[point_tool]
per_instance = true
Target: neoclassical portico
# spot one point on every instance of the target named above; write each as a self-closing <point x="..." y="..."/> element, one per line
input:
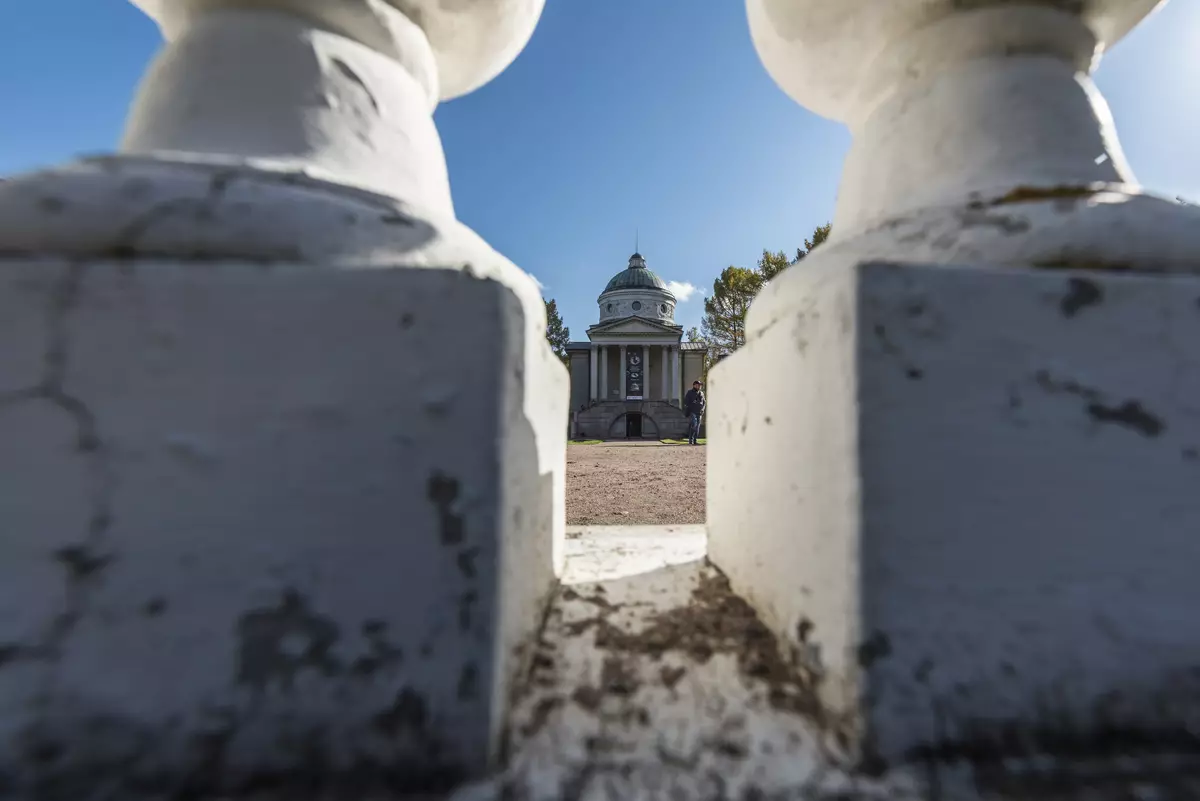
<point x="633" y="353"/>
<point x="634" y="361"/>
<point x="637" y="367"/>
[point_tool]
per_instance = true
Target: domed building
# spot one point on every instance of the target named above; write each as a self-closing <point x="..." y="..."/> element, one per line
<point x="629" y="378"/>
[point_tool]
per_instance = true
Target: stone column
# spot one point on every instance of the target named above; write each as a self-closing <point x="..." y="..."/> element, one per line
<point x="666" y="373"/>
<point x="675" y="377"/>
<point x="624" y="373"/>
<point x="604" y="372"/>
<point x="233" y="497"/>
<point x="594" y="358"/>
<point x="908" y="544"/>
<point x="646" y="372"/>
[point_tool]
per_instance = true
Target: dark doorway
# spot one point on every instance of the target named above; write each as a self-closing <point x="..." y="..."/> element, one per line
<point x="633" y="426"/>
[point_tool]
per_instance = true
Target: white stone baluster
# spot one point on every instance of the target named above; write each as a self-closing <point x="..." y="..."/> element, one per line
<point x="956" y="461"/>
<point x="284" y="440"/>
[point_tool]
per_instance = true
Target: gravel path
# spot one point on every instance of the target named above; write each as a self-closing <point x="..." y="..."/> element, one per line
<point x="630" y="483"/>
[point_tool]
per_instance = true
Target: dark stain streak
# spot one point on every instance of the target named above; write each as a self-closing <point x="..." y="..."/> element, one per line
<point x="466" y="562"/>
<point x="618" y="678"/>
<point x="81" y="563"/>
<point x="890" y="348"/>
<point x="541" y="715"/>
<point x="1035" y="194"/>
<point x="877" y="647"/>
<point x="1081" y="293"/>
<point x="588" y="698"/>
<point x="408" y="712"/>
<point x="382" y="653"/>
<point x="466" y="603"/>
<point x="277" y="643"/>
<point x="671" y="676"/>
<point x="444" y="491"/>
<point x="1092" y="263"/>
<point x="1129" y="414"/>
<point x="1067" y="386"/>
<point x="154" y="607"/>
<point x="396" y="218"/>
<point x="1009" y="225"/>
<point x="468" y="682"/>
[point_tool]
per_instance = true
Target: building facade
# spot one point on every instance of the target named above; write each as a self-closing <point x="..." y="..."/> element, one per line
<point x="628" y="380"/>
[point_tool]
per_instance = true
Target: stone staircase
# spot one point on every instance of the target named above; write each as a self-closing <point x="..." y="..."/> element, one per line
<point x="610" y="420"/>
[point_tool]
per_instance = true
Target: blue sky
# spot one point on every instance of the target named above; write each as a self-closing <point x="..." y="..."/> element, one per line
<point x="620" y="115"/>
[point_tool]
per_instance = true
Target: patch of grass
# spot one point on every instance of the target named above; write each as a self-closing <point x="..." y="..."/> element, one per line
<point x="701" y="441"/>
<point x="585" y="441"/>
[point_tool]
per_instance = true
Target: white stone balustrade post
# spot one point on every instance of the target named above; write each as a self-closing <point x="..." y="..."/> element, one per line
<point x="955" y="463"/>
<point x="283" y="441"/>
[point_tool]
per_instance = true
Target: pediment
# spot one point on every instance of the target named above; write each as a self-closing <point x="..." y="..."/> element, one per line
<point x="634" y="325"/>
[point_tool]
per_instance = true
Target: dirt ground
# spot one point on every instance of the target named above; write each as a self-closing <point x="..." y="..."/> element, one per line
<point x="632" y="483"/>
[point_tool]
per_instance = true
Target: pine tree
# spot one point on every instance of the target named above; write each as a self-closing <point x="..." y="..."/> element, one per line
<point x="557" y="334"/>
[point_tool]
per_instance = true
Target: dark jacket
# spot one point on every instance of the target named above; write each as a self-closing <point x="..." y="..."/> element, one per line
<point x="693" y="402"/>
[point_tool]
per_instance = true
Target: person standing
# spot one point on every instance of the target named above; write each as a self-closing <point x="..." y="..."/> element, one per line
<point x="693" y="407"/>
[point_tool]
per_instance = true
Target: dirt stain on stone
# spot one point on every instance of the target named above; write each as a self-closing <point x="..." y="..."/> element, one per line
<point x="81" y="562"/>
<point x="1129" y="414"/>
<point x="875" y="648"/>
<point x="408" y="712"/>
<point x="671" y="676"/>
<point x="277" y="643"/>
<point x="1081" y="293"/>
<point x="443" y="491"/>
<point x="466" y="562"/>
<point x="468" y="682"/>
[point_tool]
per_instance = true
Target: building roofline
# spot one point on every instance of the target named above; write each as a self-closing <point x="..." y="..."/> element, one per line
<point x="671" y="327"/>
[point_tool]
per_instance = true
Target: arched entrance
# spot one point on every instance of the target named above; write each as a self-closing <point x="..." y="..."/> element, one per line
<point x="633" y="425"/>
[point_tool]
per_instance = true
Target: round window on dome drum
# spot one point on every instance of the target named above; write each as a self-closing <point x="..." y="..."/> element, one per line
<point x="663" y="308"/>
<point x="637" y="305"/>
<point x="610" y="307"/>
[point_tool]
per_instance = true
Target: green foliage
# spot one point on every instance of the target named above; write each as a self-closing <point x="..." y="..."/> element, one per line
<point x="723" y="326"/>
<point x="772" y="264"/>
<point x="557" y="334"/>
<point x="820" y="235"/>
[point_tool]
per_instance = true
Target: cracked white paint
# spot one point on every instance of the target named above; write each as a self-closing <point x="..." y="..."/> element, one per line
<point x="987" y="499"/>
<point x="965" y="495"/>
<point x="272" y="502"/>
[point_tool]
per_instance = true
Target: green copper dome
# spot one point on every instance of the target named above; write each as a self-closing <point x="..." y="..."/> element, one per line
<point x="636" y="276"/>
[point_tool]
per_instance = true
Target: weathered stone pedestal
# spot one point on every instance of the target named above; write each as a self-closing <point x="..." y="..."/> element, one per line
<point x="267" y="518"/>
<point x="981" y="531"/>
<point x="955" y="464"/>
<point x="283" y="442"/>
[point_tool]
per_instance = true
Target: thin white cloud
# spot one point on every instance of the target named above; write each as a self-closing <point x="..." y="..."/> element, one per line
<point x="682" y="290"/>
<point x="540" y="285"/>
